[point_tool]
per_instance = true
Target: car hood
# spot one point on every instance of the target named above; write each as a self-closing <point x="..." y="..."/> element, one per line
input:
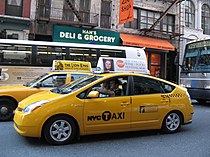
<point x="46" y="95"/>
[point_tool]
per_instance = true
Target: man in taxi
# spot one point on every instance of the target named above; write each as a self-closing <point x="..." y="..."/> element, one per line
<point x="112" y="89"/>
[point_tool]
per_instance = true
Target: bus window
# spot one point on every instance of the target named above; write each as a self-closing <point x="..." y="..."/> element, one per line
<point x="46" y="54"/>
<point x="84" y="54"/>
<point x="189" y="61"/>
<point x="112" y="53"/>
<point x="15" y="54"/>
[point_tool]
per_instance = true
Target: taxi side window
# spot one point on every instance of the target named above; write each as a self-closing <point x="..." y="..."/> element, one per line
<point x="146" y="86"/>
<point x="112" y="87"/>
<point x="54" y="81"/>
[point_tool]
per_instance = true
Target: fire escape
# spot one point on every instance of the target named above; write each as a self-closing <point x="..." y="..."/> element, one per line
<point x="70" y="14"/>
<point x="146" y="31"/>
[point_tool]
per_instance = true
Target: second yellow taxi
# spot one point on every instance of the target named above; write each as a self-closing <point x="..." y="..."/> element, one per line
<point x="104" y="103"/>
<point x="11" y="95"/>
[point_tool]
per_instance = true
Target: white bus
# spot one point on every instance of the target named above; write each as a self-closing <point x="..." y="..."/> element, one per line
<point x="22" y="60"/>
<point x="195" y="73"/>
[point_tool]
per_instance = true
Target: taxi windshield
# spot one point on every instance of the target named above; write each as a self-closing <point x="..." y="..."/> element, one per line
<point x="28" y="84"/>
<point x="75" y="85"/>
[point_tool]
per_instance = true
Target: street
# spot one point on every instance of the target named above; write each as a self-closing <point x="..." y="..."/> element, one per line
<point x="191" y="141"/>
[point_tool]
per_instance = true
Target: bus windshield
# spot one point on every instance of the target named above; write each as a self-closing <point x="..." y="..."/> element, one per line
<point x="197" y="57"/>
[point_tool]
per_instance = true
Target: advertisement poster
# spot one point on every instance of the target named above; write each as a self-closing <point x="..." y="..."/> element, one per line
<point x="20" y="74"/>
<point x="71" y="65"/>
<point x="122" y="65"/>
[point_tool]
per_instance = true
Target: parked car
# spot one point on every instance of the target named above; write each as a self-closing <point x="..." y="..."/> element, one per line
<point x="91" y="105"/>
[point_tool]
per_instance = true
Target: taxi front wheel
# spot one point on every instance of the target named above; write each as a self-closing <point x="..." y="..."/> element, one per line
<point x="60" y="130"/>
<point x="171" y="123"/>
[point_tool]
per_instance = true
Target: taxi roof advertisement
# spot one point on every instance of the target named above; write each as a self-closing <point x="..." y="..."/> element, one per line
<point x="85" y="35"/>
<point x="71" y="65"/>
<point x="122" y="65"/>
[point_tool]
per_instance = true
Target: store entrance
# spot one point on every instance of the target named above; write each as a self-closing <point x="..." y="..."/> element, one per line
<point x="156" y="64"/>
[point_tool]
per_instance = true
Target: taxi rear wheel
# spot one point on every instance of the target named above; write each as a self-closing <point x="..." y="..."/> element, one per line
<point x="172" y="122"/>
<point x="7" y="107"/>
<point x="60" y="130"/>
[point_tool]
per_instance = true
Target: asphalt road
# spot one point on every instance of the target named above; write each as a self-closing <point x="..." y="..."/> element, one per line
<point x="192" y="140"/>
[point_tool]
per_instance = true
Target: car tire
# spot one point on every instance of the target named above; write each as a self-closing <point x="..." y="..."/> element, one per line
<point x="7" y="108"/>
<point x="60" y="130"/>
<point x="172" y="122"/>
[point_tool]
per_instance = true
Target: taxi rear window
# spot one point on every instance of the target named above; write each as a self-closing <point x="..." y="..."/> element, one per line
<point x="166" y="87"/>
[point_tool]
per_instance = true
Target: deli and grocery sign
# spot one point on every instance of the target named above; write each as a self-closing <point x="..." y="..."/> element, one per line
<point x="85" y="35"/>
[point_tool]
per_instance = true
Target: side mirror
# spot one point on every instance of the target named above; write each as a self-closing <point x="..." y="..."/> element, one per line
<point x="93" y="94"/>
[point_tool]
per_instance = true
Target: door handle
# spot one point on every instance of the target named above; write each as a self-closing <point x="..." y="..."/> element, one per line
<point x="124" y="104"/>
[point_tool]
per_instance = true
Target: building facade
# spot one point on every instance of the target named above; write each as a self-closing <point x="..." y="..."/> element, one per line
<point x="15" y="19"/>
<point x="41" y="19"/>
<point x="196" y="22"/>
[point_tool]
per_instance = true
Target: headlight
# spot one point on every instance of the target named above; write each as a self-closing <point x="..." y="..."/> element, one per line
<point x="34" y="106"/>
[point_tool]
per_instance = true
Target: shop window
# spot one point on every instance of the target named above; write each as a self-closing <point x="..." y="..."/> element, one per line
<point x="205" y="19"/>
<point x="44" y="8"/>
<point x="68" y="14"/>
<point x="189" y="14"/>
<point x="105" y="21"/>
<point x="146" y="18"/>
<point x="155" y="65"/>
<point x="85" y="10"/>
<point x="168" y="23"/>
<point x="133" y="24"/>
<point x="14" y="7"/>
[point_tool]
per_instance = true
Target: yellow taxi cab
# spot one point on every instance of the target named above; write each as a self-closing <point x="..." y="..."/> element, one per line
<point x="104" y="103"/>
<point x="11" y="95"/>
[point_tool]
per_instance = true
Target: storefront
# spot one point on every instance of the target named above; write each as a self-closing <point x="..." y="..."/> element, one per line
<point x="157" y="51"/>
<point x="20" y="31"/>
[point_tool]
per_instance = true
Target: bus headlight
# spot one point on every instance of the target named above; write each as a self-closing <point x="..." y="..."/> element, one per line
<point x="207" y="87"/>
<point x="34" y="106"/>
<point x="188" y="85"/>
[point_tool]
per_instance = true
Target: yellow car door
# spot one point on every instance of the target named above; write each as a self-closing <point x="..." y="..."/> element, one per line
<point x="107" y="114"/>
<point x="148" y="105"/>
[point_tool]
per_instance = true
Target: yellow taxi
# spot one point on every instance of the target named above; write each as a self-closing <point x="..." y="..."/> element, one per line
<point x="104" y="103"/>
<point x="11" y="95"/>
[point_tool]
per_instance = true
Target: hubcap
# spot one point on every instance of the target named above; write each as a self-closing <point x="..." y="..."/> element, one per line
<point x="4" y="110"/>
<point x="60" y="130"/>
<point x="172" y="121"/>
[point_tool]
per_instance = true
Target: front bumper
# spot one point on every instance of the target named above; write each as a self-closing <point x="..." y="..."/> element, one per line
<point x="26" y="125"/>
